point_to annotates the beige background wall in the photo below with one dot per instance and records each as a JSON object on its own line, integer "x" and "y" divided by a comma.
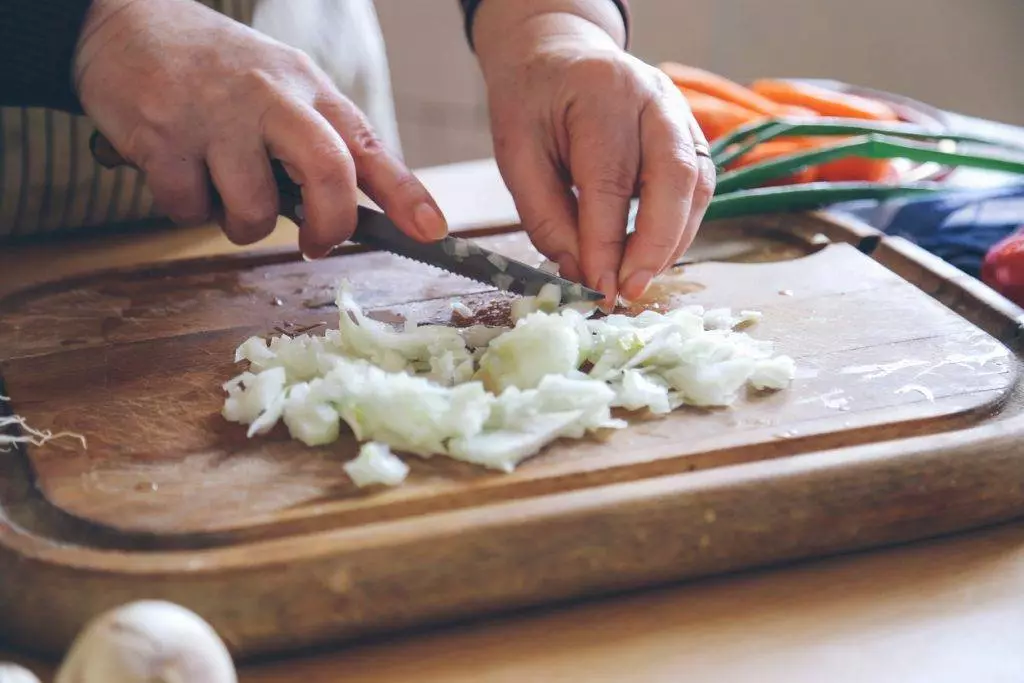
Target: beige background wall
{"x": 965, "y": 55}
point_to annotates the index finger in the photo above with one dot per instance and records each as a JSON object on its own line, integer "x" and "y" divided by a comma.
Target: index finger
{"x": 668, "y": 177}
{"x": 319, "y": 162}
{"x": 382, "y": 175}
{"x": 604, "y": 156}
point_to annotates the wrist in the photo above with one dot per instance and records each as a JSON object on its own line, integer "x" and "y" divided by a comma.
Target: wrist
{"x": 503, "y": 29}
{"x": 91, "y": 38}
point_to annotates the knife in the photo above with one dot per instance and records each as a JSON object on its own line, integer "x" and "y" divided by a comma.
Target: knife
{"x": 456, "y": 255}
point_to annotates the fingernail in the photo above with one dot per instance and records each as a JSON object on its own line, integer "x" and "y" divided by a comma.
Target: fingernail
{"x": 430, "y": 222}
{"x": 636, "y": 284}
{"x": 606, "y": 285}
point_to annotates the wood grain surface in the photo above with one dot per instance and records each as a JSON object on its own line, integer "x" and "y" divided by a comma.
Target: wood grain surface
{"x": 135, "y": 362}
{"x": 937, "y": 612}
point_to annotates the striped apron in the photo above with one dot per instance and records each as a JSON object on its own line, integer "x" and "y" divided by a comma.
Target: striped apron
{"x": 50, "y": 183}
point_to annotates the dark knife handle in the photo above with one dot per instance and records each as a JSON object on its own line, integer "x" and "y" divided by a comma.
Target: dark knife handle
{"x": 290, "y": 193}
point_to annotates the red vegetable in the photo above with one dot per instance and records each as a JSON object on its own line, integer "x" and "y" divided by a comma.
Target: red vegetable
{"x": 1003, "y": 268}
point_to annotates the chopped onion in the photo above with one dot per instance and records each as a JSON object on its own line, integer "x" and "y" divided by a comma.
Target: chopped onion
{"x": 539, "y": 345}
{"x": 773, "y": 373}
{"x": 636, "y": 391}
{"x": 503, "y": 449}
{"x": 376, "y": 465}
{"x": 493, "y": 396}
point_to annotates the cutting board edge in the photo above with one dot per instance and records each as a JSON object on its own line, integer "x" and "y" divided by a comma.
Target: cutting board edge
{"x": 45, "y": 620}
{"x": 249, "y": 532}
{"x": 664, "y": 531}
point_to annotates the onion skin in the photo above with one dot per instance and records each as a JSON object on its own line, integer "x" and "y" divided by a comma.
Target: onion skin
{"x": 148, "y": 641}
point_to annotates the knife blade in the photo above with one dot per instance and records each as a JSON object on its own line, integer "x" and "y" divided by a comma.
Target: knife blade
{"x": 466, "y": 258}
{"x": 374, "y": 229}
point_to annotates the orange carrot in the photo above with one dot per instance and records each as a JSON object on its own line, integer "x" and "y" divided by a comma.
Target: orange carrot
{"x": 717, "y": 117}
{"x": 699, "y": 80}
{"x": 796, "y": 112}
{"x": 851, "y": 168}
{"x": 841, "y": 170}
{"x": 777, "y": 148}
{"x": 825, "y": 102}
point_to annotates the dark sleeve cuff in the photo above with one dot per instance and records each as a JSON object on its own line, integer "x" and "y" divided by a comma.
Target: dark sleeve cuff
{"x": 469, "y": 8}
{"x": 37, "y": 45}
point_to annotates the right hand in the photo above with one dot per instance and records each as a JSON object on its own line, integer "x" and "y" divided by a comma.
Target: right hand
{"x": 190, "y": 96}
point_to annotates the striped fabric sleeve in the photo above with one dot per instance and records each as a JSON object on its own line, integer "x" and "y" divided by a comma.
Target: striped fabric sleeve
{"x": 469, "y": 8}
{"x": 49, "y": 182}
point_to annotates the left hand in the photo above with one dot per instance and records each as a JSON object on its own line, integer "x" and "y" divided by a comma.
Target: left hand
{"x": 571, "y": 108}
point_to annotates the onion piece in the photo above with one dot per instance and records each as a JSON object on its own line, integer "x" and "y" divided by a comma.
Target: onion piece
{"x": 539, "y": 345}
{"x": 376, "y": 465}
{"x": 506, "y": 448}
{"x": 490, "y": 395}
{"x": 147, "y": 641}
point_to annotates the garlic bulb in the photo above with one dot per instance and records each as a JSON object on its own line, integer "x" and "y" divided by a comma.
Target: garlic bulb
{"x": 148, "y": 642}
{"x": 12, "y": 673}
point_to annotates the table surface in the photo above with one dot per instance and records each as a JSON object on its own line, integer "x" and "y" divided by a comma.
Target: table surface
{"x": 945, "y": 610}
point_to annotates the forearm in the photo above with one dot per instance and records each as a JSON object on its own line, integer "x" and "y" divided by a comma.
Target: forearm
{"x": 37, "y": 45}
{"x": 490, "y": 23}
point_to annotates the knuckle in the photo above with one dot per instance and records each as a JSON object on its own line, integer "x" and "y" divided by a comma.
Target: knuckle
{"x": 679, "y": 170}
{"x": 615, "y": 179}
{"x": 681, "y": 159}
{"x": 662, "y": 241}
{"x": 299, "y": 59}
{"x": 707, "y": 181}
{"x": 330, "y": 164}
{"x": 258, "y": 83}
{"x": 543, "y": 232}
{"x": 606, "y": 242}
{"x": 363, "y": 142}
{"x": 256, "y": 214}
{"x": 183, "y": 209}
{"x": 662, "y": 86}
{"x": 408, "y": 185}
{"x": 602, "y": 70}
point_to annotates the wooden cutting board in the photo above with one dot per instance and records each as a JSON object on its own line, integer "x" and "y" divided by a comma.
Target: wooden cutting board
{"x": 902, "y": 423}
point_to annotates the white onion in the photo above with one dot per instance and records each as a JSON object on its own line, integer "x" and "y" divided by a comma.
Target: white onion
{"x": 147, "y": 641}
{"x": 493, "y": 396}
{"x": 376, "y": 465}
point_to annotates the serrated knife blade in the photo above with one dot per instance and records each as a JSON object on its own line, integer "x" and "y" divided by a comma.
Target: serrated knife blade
{"x": 466, "y": 258}
{"x": 375, "y": 230}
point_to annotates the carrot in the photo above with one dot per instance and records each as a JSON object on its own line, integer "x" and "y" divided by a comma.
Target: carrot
{"x": 777, "y": 148}
{"x": 699, "y": 80}
{"x": 825, "y": 102}
{"x": 851, "y": 168}
{"x": 796, "y": 112}
{"x": 717, "y": 117}
{"x": 841, "y": 170}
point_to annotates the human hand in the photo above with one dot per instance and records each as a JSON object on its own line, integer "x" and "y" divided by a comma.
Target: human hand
{"x": 192, "y": 97}
{"x": 570, "y": 108}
